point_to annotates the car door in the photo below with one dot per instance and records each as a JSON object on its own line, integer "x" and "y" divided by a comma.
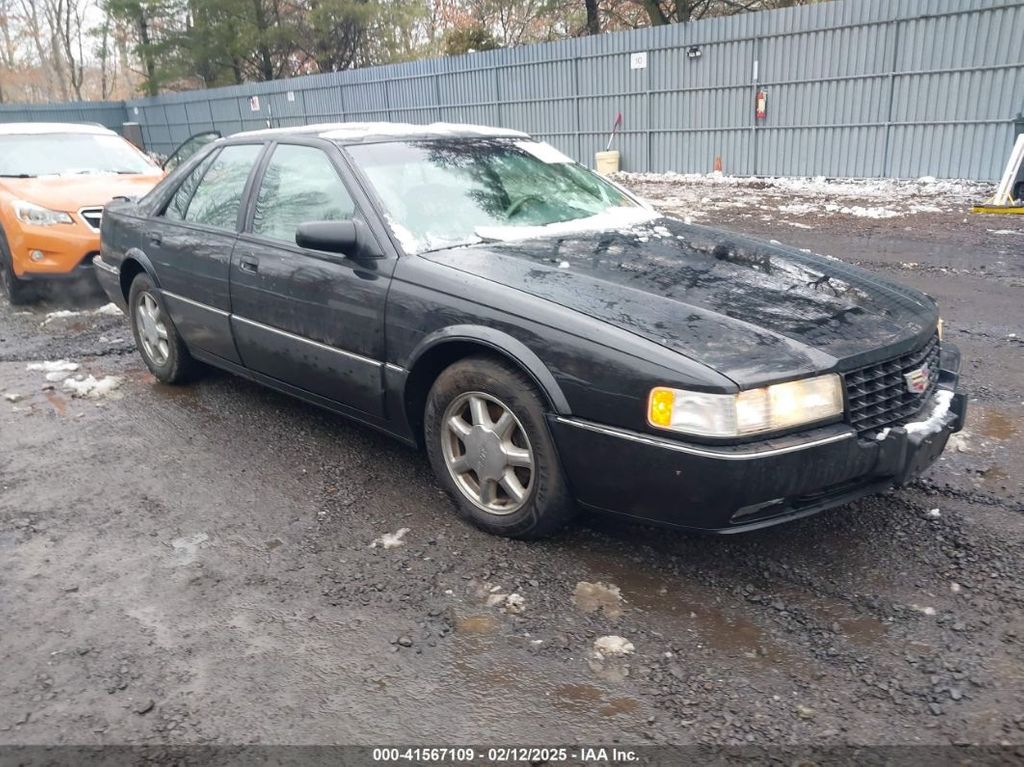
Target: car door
{"x": 188, "y": 148}
{"x": 190, "y": 243}
{"x": 311, "y": 319}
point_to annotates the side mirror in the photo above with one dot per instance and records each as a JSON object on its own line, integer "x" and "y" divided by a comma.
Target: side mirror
{"x": 347, "y": 238}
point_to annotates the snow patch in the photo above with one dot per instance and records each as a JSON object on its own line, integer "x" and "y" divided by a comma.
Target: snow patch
{"x": 342, "y": 131}
{"x": 937, "y": 419}
{"x": 694, "y": 194}
{"x": 186, "y": 548}
{"x": 92, "y": 387}
{"x": 611, "y": 219}
{"x": 52, "y": 366}
{"x": 860, "y": 211}
{"x": 515, "y": 604}
{"x": 390, "y": 540}
{"x": 592, "y": 597}
{"x": 109, "y": 310}
{"x": 613, "y": 645}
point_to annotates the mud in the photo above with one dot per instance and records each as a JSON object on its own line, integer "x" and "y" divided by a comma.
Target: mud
{"x": 194, "y": 565}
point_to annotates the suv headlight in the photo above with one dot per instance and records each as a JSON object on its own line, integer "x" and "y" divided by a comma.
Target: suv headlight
{"x": 754, "y": 411}
{"x": 37, "y": 215}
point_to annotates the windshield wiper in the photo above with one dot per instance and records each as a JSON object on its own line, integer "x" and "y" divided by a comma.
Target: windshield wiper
{"x": 15, "y": 175}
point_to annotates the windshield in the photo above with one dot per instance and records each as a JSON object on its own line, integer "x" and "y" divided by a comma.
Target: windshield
{"x": 68, "y": 154}
{"x": 443, "y": 193}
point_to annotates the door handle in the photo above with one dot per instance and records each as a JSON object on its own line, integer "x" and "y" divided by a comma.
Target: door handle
{"x": 156, "y": 238}
{"x": 248, "y": 264}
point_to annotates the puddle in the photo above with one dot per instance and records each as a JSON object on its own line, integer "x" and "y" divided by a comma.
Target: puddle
{"x": 186, "y": 396}
{"x": 994, "y": 475}
{"x": 586, "y": 697}
{"x": 186, "y": 549}
{"x": 579, "y": 693}
{"x": 619, "y": 706}
{"x": 863, "y": 631}
{"x": 59, "y": 403}
{"x": 997, "y": 425}
{"x": 476, "y": 624}
{"x": 591, "y": 597}
{"x": 686, "y": 605}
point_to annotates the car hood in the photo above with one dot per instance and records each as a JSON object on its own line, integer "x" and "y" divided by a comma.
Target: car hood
{"x": 753, "y": 311}
{"x": 69, "y": 193}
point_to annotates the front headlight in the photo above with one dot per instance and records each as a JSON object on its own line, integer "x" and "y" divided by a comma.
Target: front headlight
{"x": 37, "y": 215}
{"x": 754, "y": 411}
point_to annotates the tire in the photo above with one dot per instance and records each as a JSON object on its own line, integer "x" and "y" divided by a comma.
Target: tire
{"x": 16, "y": 291}
{"x": 167, "y": 358}
{"x": 543, "y": 504}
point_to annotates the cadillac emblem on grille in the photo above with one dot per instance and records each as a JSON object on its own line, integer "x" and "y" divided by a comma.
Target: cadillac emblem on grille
{"x": 918, "y": 380}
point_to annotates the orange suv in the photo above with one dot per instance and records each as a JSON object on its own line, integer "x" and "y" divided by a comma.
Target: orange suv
{"x": 55, "y": 179}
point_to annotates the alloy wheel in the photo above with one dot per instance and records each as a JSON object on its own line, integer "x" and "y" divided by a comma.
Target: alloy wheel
{"x": 152, "y": 330}
{"x": 488, "y": 453}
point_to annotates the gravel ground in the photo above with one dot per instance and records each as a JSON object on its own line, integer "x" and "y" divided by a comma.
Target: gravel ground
{"x": 196, "y": 565}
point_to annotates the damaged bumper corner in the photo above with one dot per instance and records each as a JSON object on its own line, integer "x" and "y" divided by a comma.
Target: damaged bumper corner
{"x": 744, "y": 487}
{"x": 906, "y": 451}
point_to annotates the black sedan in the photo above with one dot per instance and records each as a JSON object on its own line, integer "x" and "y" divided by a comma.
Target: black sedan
{"x": 550, "y": 340}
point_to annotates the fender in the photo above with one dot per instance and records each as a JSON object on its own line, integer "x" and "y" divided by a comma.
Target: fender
{"x": 135, "y": 254}
{"x": 501, "y": 342}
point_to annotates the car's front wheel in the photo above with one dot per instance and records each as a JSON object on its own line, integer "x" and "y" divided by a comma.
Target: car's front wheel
{"x": 15, "y": 291}
{"x": 489, "y": 445}
{"x": 157, "y": 339}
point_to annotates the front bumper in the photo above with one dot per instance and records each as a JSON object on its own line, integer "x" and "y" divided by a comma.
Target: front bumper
{"x": 745, "y": 487}
{"x": 66, "y": 251}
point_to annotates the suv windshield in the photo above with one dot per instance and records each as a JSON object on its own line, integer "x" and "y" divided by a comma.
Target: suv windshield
{"x": 448, "y": 192}
{"x": 67, "y": 154}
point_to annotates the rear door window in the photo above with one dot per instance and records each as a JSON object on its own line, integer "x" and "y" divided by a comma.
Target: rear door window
{"x": 218, "y": 197}
{"x": 176, "y": 208}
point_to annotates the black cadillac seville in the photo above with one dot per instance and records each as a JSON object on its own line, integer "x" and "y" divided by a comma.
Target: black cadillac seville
{"x": 550, "y": 340}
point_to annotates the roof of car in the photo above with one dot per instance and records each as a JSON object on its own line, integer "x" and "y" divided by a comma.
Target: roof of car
{"x": 383, "y": 131}
{"x": 8, "y": 129}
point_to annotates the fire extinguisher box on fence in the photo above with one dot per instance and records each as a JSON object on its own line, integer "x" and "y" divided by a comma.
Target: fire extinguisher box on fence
{"x": 607, "y": 163}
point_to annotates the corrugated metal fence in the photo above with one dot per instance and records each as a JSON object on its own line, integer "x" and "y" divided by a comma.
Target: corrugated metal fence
{"x": 854, "y": 88}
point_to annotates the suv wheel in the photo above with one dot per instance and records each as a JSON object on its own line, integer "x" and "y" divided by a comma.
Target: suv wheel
{"x": 16, "y": 291}
{"x": 157, "y": 339}
{"x": 489, "y": 445}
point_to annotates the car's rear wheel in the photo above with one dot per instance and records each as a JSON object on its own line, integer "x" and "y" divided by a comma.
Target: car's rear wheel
{"x": 489, "y": 445}
{"x": 157, "y": 339}
{"x": 15, "y": 291}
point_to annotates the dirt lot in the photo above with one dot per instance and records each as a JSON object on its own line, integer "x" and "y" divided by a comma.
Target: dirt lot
{"x": 194, "y": 565}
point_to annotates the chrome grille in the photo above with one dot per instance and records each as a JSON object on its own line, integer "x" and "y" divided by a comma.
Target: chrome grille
{"x": 92, "y": 217}
{"x": 877, "y": 395}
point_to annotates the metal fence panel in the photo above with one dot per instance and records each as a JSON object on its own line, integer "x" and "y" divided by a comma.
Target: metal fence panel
{"x": 854, "y": 88}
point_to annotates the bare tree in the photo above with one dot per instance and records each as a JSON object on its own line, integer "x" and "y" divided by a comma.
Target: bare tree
{"x": 33, "y": 26}
{"x": 65, "y": 20}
